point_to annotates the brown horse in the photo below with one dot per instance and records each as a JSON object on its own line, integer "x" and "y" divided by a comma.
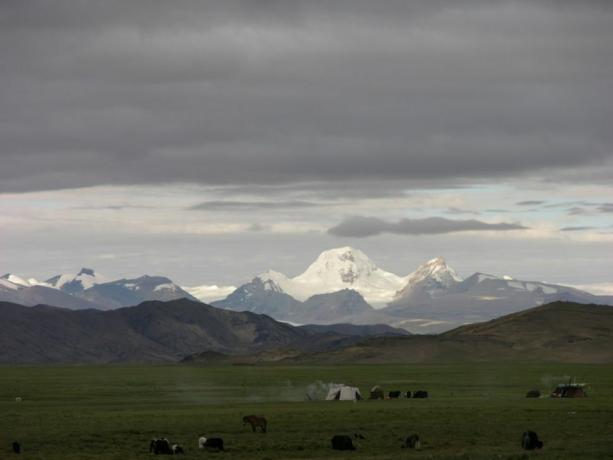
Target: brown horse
{"x": 255, "y": 421}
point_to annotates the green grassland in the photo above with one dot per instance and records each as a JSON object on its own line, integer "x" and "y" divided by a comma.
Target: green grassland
{"x": 476, "y": 411}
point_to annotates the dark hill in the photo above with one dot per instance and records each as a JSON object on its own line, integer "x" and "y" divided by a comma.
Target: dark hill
{"x": 559, "y": 331}
{"x": 151, "y": 331}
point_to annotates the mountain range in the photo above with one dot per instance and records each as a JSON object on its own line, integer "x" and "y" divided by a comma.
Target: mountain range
{"x": 157, "y": 331}
{"x": 341, "y": 285}
{"x": 88, "y": 289}
{"x": 189, "y": 331}
{"x": 556, "y": 332}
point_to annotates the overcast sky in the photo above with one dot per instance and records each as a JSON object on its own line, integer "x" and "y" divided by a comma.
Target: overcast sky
{"x": 209, "y": 141}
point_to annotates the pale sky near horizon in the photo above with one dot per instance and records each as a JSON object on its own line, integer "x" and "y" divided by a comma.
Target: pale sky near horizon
{"x": 210, "y": 141}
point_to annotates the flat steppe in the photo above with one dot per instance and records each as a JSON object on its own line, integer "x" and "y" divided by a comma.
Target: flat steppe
{"x": 475, "y": 410}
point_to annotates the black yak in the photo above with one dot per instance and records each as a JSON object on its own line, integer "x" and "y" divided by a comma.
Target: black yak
{"x": 412, "y": 442}
{"x": 342, "y": 442}
{"x": 530, "y": 441}
{"x": 160, "y": 446}
{"x": 420, "y": 394}
{"x": 394, "y": 394}
{"x": 16, "y": 447}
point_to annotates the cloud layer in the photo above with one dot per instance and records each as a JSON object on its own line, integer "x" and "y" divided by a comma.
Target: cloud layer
{"x": 360, "y": 226}
{"x": 268, "y": 92}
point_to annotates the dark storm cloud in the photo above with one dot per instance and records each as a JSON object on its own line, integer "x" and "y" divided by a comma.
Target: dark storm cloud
{"x": 252, "y": 205}
{"x": 273, "y": 92}
{"x": 359, "y": 226}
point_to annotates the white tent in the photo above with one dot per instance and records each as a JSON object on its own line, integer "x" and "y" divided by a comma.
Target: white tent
{"x": 343, "y": 393}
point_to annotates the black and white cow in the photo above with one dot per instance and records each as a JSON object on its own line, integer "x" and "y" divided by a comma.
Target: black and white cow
{"x": 210, "y": 443}
{"x": 342, "y": 442}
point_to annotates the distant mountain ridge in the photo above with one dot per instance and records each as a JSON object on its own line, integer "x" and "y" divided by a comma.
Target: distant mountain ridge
{"x": 432, "y": 298}
{"x": 555, "y": 332}
{"x": 155, "y": 331}
{"x": 342, "y": 285}
{"x": 88, "y": 289}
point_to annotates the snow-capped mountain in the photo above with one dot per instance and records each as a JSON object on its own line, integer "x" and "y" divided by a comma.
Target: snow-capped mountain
{"x": 433, "y": 297}
{"x": 208, "y": 293}
{"x": 432, "y": 277}
{"x": 335, "y": 270}
{"x": 19, "y": 281}
{"x": 88, "y": 289}
{"x": 85, "y": 279}
{"x": 127, "y": 292}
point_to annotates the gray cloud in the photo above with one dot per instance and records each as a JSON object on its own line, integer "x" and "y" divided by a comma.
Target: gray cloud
{"x": 606, "y": 208}
{"x": 359, "y": 226}
{"x": 530, "y": 203}
{"x": 269, "y": 92}
{"x": 453, "y": 210}
{"x": 252, "y": 205}
{"x": 575, "y": 229}
{"x": 576, "y": 211}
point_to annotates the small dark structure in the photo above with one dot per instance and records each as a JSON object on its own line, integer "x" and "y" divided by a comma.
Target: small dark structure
{"x": 569, "y": 390}
{"x": 533, "y": 394}
{"x": 342, "y": 442}
{"x": 255, "y": 421}
{"x": 531, "y": 441}
{"x": 16, "y": 447}
{"x": 420, "y": 394}
{"x": 376, "y": 392}
{"x": 412, "y": 442}
{"x": 394, "y": 394}
{"x": 160, "y": 446}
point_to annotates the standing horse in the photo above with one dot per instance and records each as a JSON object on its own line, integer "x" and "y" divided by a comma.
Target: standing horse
{"x": 255, "y": 421}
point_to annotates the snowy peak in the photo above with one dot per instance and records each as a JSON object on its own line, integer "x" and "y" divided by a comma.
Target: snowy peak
{"x": 437, "y": 270}
{"x": 274, "y": 281}
{"x": 432, "y": 276}
{"x": 17, "y": 280}
{"x": 85, "y": 279}
{"x": 345, "y": 264}
{"x": 335, "y": 270}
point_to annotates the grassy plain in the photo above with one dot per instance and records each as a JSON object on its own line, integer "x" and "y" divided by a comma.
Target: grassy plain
{"x": 476, "y": 411}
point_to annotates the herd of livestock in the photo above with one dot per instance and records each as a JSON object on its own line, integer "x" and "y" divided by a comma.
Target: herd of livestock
{"x": 529, "y": 439}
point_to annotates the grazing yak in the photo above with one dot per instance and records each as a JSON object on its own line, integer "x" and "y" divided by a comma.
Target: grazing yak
{"x": 394, "y": 394}
{"x": 255, "y": 421}
{"x": 533, "y": 394}
{"x": 342, "y": 442}
{"x": 420, "y": 394}
{"x": 412, "y": 442}
{"x": 16, "y": 447}
{"x": 210, "y": 443}
{"x": 160, "y": 446}
{"x": 408, "y": 394}
{"x": 177, "y": 449}
{"x": 531, "y": 441}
